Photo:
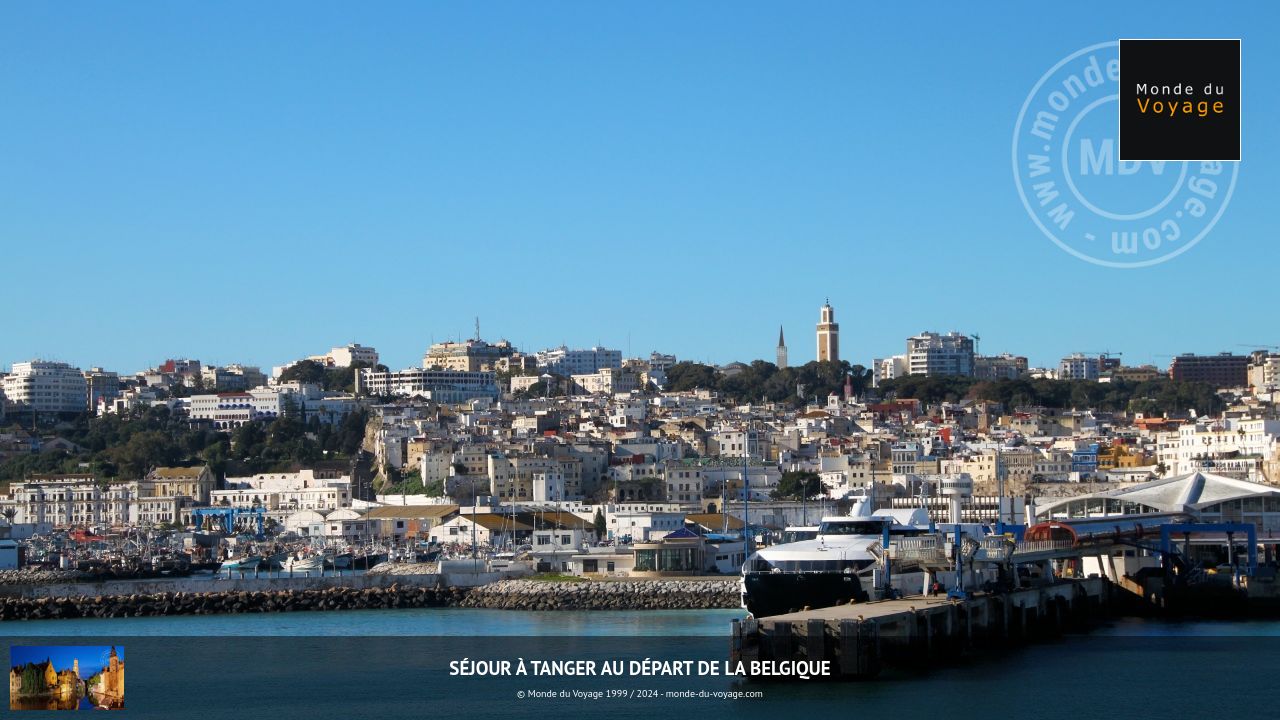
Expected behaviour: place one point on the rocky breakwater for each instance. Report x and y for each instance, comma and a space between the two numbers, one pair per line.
209, 603
690, 594
36, 576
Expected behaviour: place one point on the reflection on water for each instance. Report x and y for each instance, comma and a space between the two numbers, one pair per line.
57, 702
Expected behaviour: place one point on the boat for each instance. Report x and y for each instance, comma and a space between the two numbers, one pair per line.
302, 563
171, 564
366, 560
828, 569
796, 533
246, 564
341, 561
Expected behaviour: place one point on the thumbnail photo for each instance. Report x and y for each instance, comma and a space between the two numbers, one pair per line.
66, 677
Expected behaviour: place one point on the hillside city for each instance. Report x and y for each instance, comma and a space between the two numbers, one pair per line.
487, 444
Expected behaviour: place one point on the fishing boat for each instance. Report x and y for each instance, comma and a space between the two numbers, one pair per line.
366, 560
340, 561
302, 563
246, 564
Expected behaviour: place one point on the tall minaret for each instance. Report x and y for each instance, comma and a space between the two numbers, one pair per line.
782, 350
828, 335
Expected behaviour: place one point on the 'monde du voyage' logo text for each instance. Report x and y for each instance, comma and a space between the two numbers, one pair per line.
1071, 180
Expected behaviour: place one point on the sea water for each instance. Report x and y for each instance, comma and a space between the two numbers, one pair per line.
395, 663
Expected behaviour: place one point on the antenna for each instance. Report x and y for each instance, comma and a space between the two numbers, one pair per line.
477, 327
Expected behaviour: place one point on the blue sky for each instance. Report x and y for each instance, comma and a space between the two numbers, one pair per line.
247, 182
92, 657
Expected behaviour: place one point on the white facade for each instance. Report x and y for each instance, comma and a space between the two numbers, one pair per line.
606, 381
75, 500
932, 354
889, 368
45, 386
548, 486
445, 386
564, 361
1237, 446
1078, 367
232, 409
349, 355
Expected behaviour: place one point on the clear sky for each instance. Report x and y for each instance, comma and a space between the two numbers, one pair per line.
92, 657
254, 182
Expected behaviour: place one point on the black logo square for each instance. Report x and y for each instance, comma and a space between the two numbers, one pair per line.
1179, 100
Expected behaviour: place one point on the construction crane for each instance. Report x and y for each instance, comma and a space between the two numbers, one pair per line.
1100, 353
977, 340
1259, 346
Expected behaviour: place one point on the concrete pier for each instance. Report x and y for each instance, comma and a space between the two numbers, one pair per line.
862, 639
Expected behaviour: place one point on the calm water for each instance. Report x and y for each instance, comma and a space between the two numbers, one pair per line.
428, 622
395, 663
420, 622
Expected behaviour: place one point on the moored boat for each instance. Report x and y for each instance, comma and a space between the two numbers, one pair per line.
828, 569
246, 564
302, 563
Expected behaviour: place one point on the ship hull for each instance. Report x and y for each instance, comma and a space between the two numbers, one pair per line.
776, 593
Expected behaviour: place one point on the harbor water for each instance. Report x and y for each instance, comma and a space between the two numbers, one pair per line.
396, 663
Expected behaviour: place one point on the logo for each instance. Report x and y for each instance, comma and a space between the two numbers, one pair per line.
1107, 211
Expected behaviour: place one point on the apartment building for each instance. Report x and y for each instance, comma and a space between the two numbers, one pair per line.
46, 386
930, 353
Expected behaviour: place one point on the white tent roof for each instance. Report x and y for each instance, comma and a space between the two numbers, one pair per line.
1177, 494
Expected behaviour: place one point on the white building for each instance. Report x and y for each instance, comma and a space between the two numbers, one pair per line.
81, 500
605, 381
564, 361
45, 386
230, 410
548, 486
1264, 372
1227, 446
638, 524
444, 386
932, 354
889, 368
348, 355
1077, 366
302, 490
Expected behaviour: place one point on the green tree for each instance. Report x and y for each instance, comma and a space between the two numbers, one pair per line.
600, 526
799, 485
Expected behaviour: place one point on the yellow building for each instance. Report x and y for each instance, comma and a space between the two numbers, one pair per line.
110, 687
1119, 456
193, 482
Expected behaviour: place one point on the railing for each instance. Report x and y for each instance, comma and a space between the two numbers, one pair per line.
927, 550
1035, 546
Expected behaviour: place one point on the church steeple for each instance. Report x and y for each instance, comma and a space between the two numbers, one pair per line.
782, 350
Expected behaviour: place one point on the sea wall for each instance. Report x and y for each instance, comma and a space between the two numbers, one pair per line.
682, 594
196, 584
211, 603
372, 592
